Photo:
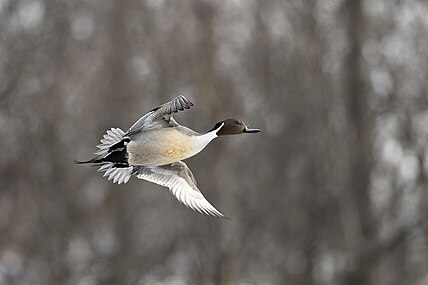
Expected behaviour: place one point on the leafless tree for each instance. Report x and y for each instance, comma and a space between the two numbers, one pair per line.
333, 191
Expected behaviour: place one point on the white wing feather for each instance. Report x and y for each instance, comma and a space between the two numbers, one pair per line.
179, 186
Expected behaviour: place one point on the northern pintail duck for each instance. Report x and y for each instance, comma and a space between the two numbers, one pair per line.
153, 150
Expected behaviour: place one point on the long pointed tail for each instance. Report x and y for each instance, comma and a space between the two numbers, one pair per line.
93, 160
112, 156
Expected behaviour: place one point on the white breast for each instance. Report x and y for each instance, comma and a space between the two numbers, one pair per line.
199, 142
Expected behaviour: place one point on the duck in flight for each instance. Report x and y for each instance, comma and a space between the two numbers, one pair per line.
153, 150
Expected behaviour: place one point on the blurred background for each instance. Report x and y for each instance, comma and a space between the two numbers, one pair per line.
333, 191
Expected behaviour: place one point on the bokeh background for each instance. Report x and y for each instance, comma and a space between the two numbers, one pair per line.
333, 191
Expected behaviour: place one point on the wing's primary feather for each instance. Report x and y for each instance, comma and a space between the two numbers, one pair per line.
160, 116
181, 183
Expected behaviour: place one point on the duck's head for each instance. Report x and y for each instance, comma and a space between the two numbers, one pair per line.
232, 127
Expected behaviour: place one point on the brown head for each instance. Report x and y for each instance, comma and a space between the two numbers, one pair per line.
232, 127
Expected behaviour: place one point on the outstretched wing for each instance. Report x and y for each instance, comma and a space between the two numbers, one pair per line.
181, 183
161, 116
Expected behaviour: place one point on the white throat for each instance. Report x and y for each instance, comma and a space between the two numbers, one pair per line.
201, 141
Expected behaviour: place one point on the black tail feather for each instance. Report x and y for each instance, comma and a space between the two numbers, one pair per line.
93, 160
117, 155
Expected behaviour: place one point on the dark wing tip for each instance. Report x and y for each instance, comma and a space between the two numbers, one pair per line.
179, 103
184, 102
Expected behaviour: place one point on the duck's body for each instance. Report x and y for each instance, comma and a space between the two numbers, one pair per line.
166, 145
154, 147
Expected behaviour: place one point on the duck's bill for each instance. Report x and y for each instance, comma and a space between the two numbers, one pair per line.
250, 130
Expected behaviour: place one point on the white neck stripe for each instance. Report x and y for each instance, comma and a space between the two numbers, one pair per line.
218, 129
